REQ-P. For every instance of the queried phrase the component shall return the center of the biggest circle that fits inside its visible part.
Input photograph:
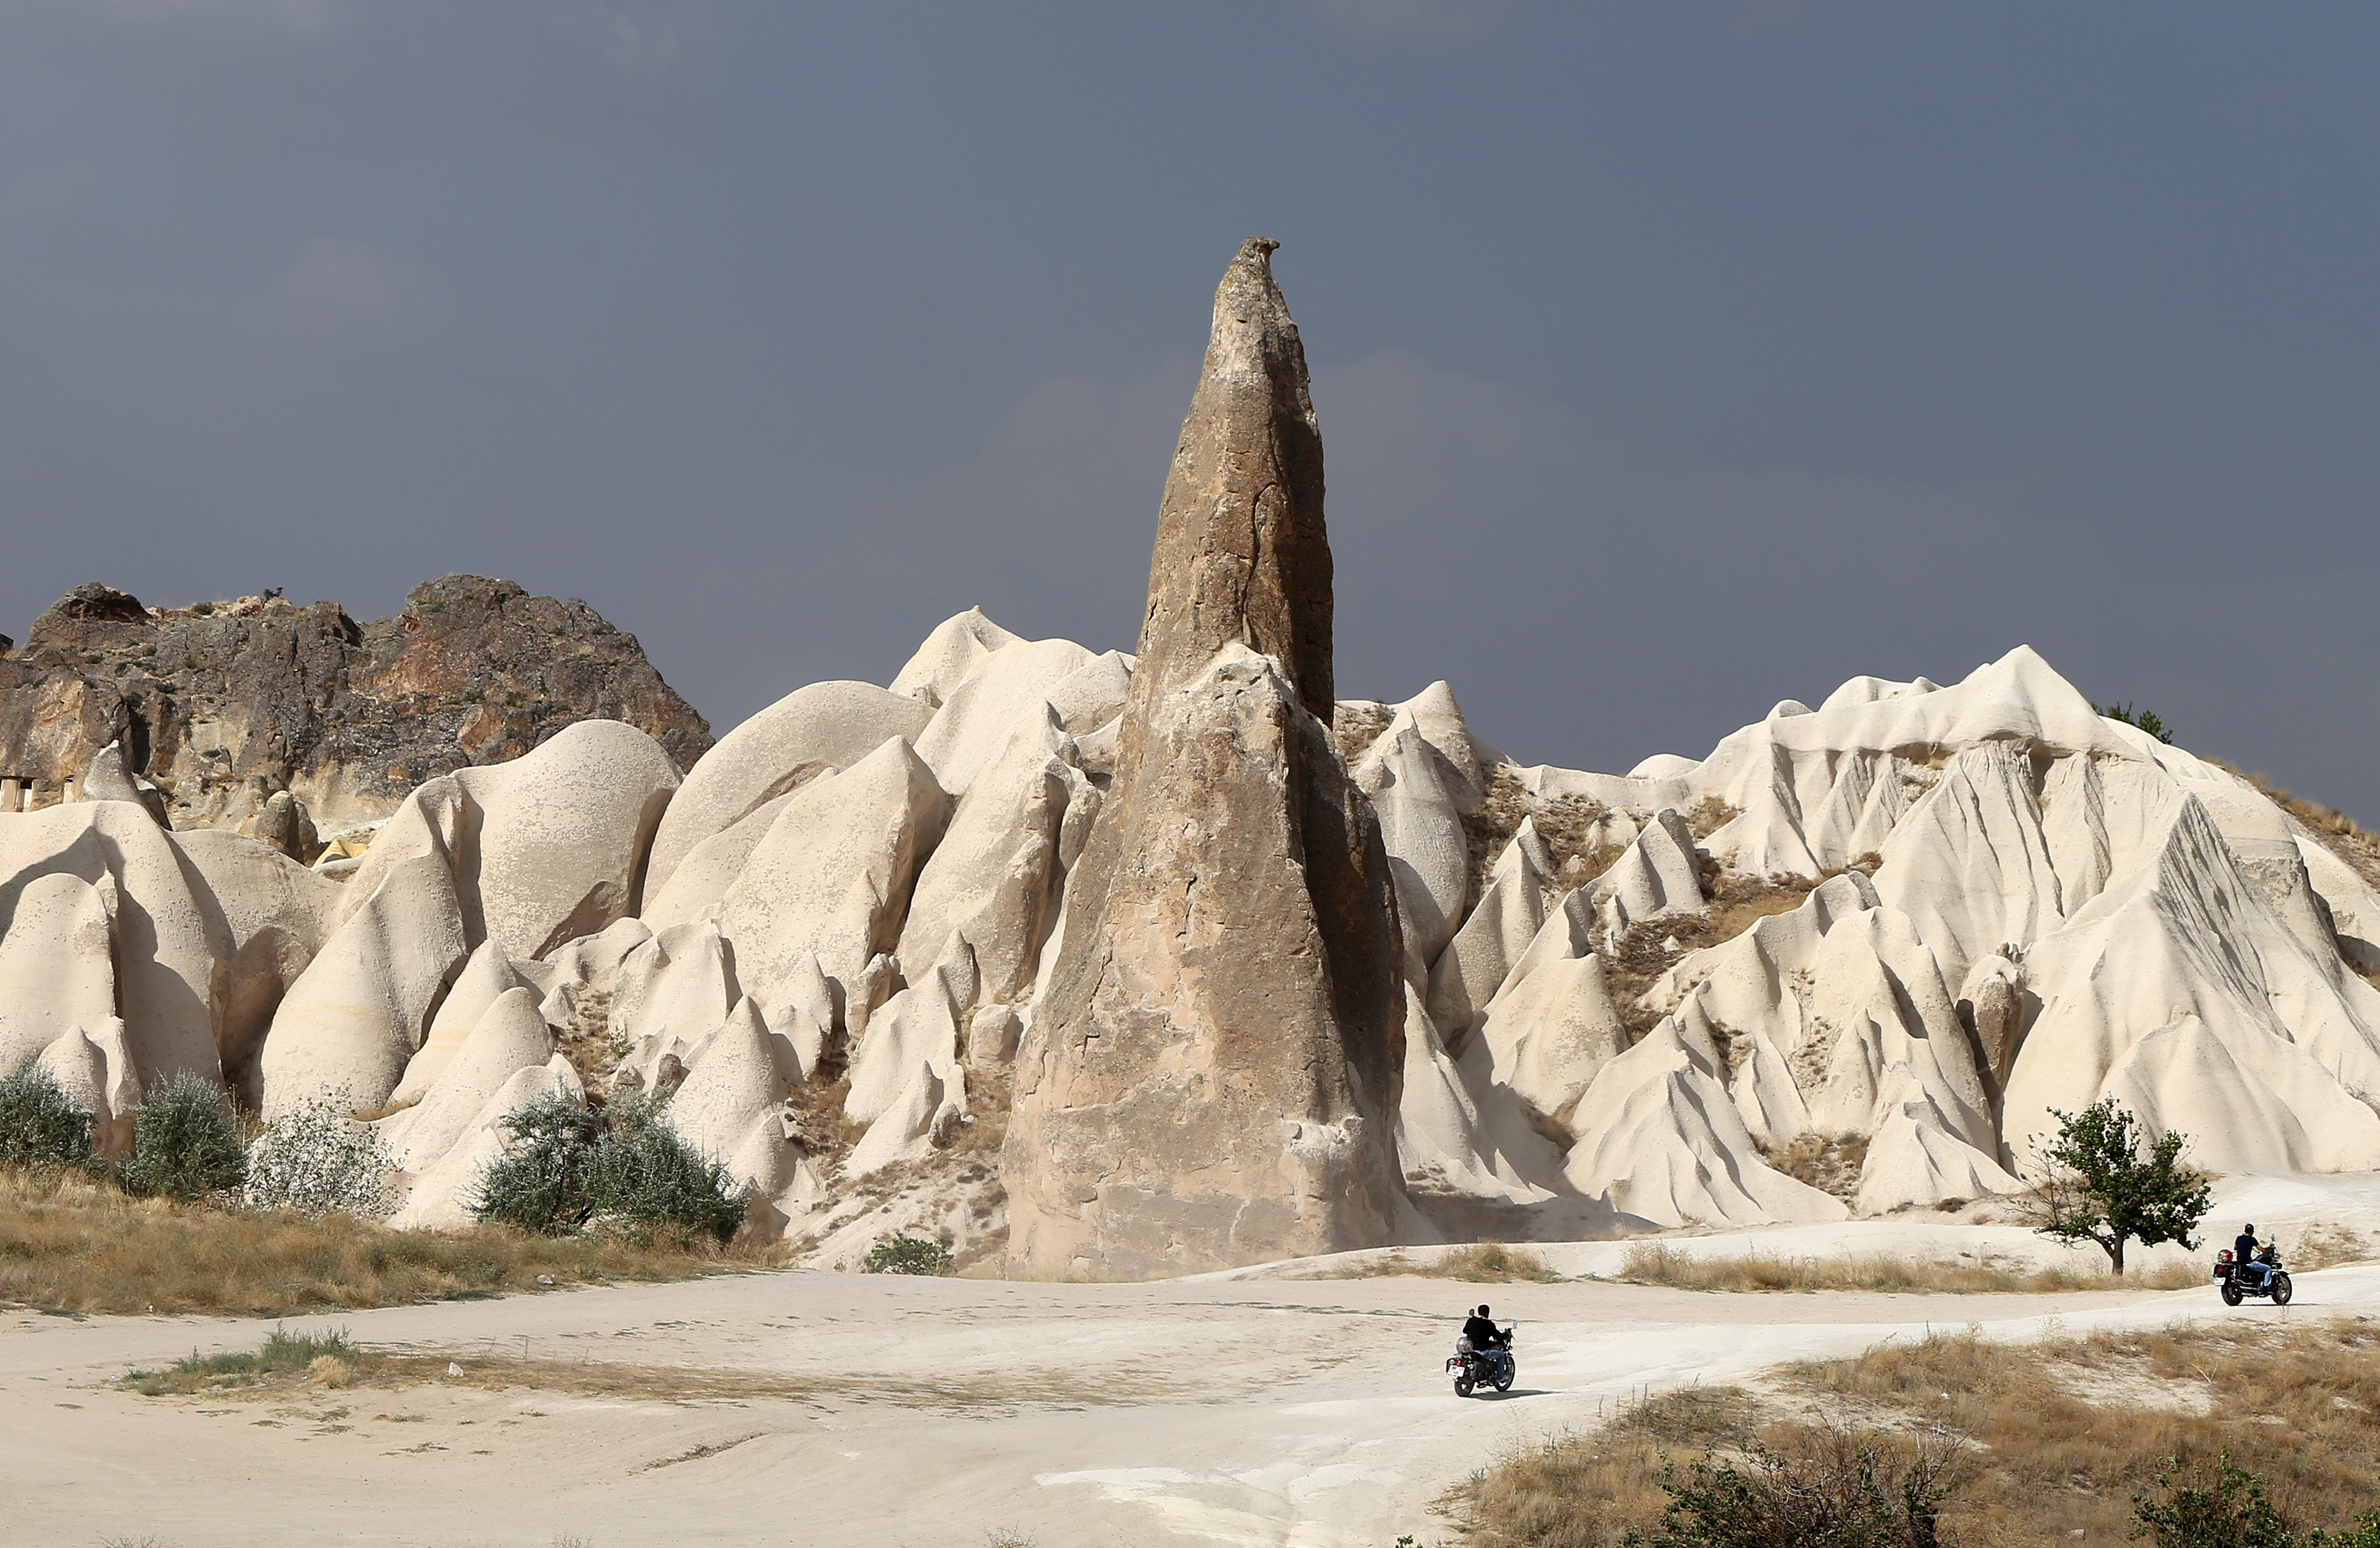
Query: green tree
(2101, 1180)
(2147, 720)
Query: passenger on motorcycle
(1487, 1337)
(2243, 1258)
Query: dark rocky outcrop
(1213, 1077)
(222, 704)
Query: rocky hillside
(1113, 965)
(222, 704)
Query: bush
(620, 1165)
(907, 1255)
(186, 1143)
(2145, 720)
(317, 1160)
(39, 1124)
(2221, 1508)
(1848, 1495)
(648, 1180)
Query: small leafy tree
(315, 1160)
(906, 1254)
(39, 1124)
(2099, 1182)
(186, 1143)
(2147, 720)
(2219, 1507)
(540, 1184)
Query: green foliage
(2147, 720)
(186, 1143)
(906, 1254)
(39, 1124)
(2221, 1508)
(282, 1350)
(317, 1160)
(620, 1166)
(1846, 1495)
(2097, 1185)
(648, 1180)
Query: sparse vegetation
(186, 1144)
(72, 1242)
(906, 1254)
(331, 1358)
(2144, 720)
(2057, 1438)
(1835, 1487)
(618, 1167)
(39, 1124)
(1660, 1263)
(1482, 1263)
(2096, 1181)
(1830, 1163)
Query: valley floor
(811, 1406)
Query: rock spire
(1213, 1074)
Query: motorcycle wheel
(1462, 1384)
(1504, 1377)
(2231, 1293)
(2282, 1289)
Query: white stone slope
(1996, 905)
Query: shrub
(317, 1160)
(186, 1143)
(39, 1124)
(538, 1184)
(619, 1166)
(648, 1180)
(2219, 1507)
(906, 1254)
(1846, 1494)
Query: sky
(1670, 361)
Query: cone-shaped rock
(1212, 1075)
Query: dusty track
(1255, 1412)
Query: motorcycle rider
(2243, 1259)
(1487, 1337)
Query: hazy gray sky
(1671, 360)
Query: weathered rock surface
(221, 705)
(1212, 1076)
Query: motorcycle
(2261, 1275)
(1474, 1368)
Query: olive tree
(2103, 1180)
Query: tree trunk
(2115, 1256)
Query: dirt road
(808, 1407)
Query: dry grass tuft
(1483, 1264)
(2058, 1437)
(1828, 1162)
(74, 1244)
(1660, 1263)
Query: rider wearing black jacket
(2244, 1255)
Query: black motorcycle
(2260, 1276)
(1474, 1368)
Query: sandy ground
(1235, 1410)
